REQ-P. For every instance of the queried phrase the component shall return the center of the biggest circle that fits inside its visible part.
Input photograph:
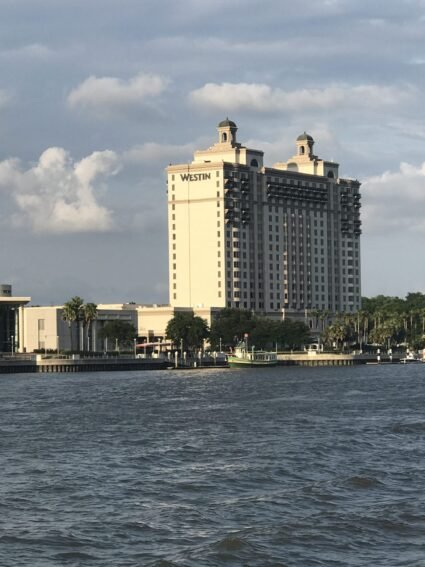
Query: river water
(292, 467)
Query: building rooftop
(305, 136)
(227, 122)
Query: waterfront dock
(63, 364)
(46, 364)
(314, 358)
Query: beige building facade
(275, 240)
(45, 329)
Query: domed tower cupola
(227, 132)
(305, 145)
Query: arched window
(330, 174)
(224, 137)
(302, 150)
(254, 163)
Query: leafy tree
(190, 329)
(122, 332)
(73, 313)
(230, 325)
(293, 334)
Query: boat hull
(240, 362)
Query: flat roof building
(11, 320)
(273, 240)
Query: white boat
(410, 358)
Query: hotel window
(175, 295)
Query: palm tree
(73, 312)
(89, 315)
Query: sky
(97, 97)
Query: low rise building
(12, 327)
(46, 329)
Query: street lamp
(220, 344)
(135, 341)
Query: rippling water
(281, 467)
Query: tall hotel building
(275, 240)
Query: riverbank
(64, 364)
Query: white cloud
(109, 93)
(57, 195)
(262, 98)
(395, 201)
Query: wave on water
(232, 543)
(74, 556)
(364, 482)
(414, 427)
(162, 563)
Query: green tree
(121, 332)
(189, 329)
(89, 315)
(73, 313)
(230, 326)
(292, 334)
(336, 333)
